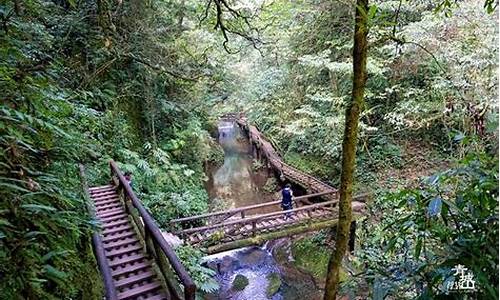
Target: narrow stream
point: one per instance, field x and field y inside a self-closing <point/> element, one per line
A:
<point x="233" y="181"/>
<point x="266" y="272"/>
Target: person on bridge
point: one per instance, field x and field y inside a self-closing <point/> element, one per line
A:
<point x="286" y="200"/>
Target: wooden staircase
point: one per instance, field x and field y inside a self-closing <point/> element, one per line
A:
<point x="133" y="275"/>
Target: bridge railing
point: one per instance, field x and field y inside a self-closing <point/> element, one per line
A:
<point x="240" y="212"/>
<point x="275" y="160"/>
<point x="265" y="222"/>
<point x="156" y="246"/>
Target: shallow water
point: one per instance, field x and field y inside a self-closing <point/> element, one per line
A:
<point x="235" y="183"/>
<point x="255" y="263"/>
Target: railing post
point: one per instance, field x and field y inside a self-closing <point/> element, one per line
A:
<point x="254" y="227"/>
<point x="352" y="236"/>
<point x="242" y="214"/>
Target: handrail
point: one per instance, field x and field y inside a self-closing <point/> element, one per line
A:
<point x="272" y="155"/>
<point x="151" y="227"/>
<point x="258" y="217"/>
<point x="102" y="262"/>
<point x="245" y="208"/>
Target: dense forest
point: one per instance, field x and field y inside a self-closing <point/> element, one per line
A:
<point x="145" y="82"/>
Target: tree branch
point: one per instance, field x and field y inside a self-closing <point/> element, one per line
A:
<point x="160" y="68"/>
<point x="222" y="7"/>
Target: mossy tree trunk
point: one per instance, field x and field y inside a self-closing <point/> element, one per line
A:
<point x="104" y="18"/>
<point x="349" y="148"/>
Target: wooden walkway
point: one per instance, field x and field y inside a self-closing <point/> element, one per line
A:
<point x="133" y="274"/>
<point x="237" y="227"/>
<point x="134" y="259"/>
<point x="266" y="150"/>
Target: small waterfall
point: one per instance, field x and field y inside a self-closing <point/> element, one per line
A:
<point x="256" y="264"/>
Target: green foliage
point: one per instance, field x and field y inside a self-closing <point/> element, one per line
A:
<point x="257" y="165"/>
<point x="451" y="219"/>
<point x="168" y="189"/>
<point x="82" y="84"/>
<point x="311" y="255"/>
<point x="271" y="185"/>
<point x="140" y="83"/>
<point x="310" y="164"/>
<point x="418" y="87"/>
<point x="192" y="259"/>
<point x="216" y="154"/>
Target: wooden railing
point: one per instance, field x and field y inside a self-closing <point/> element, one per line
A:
<point x="156" y="246"/>
<point x="266" y="222"/>
<point x="97" y="245"/>
<point x="267" y="150"/>
<point x="218" y="217"/>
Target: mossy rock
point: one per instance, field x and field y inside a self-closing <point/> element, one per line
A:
<point x="311" y="257"/>
<point x="274" y="284"/>
<point x="240" y="282"/>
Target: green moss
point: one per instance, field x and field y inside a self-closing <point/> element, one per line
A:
<point x="309" y="164"/>
<point x="240" y="282"/>
<point x="274" y="284"/>
<point x="313" y="258"/>
<point x="271" y="185"/>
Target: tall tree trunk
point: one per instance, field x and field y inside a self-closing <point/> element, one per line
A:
<point x="349" y="148"/>
<point x="104" y="18"/>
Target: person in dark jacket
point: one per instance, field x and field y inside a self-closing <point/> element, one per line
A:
<point x="128" y="178"/>
<point x="287" y="198"/>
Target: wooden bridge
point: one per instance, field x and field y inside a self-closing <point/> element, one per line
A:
<point x="263" y="149"/>
<point x="220" y="231"/>
<point x="236" y="228"/>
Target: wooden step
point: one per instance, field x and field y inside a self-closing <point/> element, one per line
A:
<point x="124" y="250"/>
<point x="121" y="243"/>
<point x="144" y="289"/>
<point x="113" y="218"/>
<point x="137" y="267"/>
<point x="100" y="199"/>
<point x="266" y="223"/>
<point x="117" y="229"/>
<point x="102" y="187"/>
<point x="115" y="223"/>
<point x="105" y="193"/>
<point x="99" y="204"/>
<point x="134" y="279"/>
<point x="109" y="209"/>
<point x="126" y="260"/>
<point x="111" y="213"/>
<point x="119" y="236"/>
<point x="109" y="206"/>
